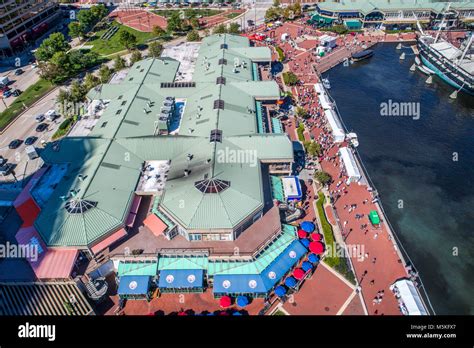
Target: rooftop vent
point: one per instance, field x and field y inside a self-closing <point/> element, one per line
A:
<point x="224" y="46"/>
<point x="220" y="80"/>
<point x="212" y="185"/>
<point x="222" y="61"/>
<point x="219" y="104"/>
<point x="216" y="136"/>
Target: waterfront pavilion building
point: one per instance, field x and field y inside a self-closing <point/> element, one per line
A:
<point x="392" y="14"/>
<point x="197" y="149"/>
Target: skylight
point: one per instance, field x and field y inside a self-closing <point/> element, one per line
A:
<point x="212" y="185"/>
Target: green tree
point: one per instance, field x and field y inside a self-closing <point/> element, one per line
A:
<point x="78" y="91"/>
<point x="127" y="39"/>
<point x="322" y="177"/>
<point x="56" y="42"/>
<point x="175" y="23"/>
<point x="104" y="73"/>
<point x="234" y="28"/>
<point x="99" y="11"/>
<point x="276" y="3"/>
<point x="290" y="78"/>
<point x="86" y="18"/>
<point x="273" y="13"/>
<point x="119" y="63"/>
<point x="195" y="23"/>
<point x="135" y="57"/>
<point x="155" y="49"/>
<point x="301" y="112"/>
<point x="193" y="35"/>
<point x="90" y="81"/>
<point x="158" y="31"/>
<point x="314" y="149"/>
<point x="296" y="8"/>
<point x="50" y="72"/>
<point x="76" y="29"/>
<point x="220" y="29"/>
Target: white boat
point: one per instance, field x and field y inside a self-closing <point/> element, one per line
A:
<point x="326" y="83"/>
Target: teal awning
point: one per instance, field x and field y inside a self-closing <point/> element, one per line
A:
<point x="137" y="269"/>
<point x="353" y="24"/>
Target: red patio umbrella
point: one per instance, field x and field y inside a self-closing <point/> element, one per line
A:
<point x="316" y="247"/>
<point x="316" y="237"/>
<point x="302" y="234"/>
<point x="182" y="314"/>
<point x="298" y="273"/>
<point x="225" y="301"/>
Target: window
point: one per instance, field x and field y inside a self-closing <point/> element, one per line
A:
<point x="219" y="104"/>
<point x="195" y="236"/>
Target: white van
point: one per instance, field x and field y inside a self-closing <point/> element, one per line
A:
<point x="51" y="115"/>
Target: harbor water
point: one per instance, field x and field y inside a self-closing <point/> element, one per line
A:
<point x="421" y="164"/>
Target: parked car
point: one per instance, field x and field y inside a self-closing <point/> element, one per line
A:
<point x="7" y="93"/>
<point x="30" y="140"/>
<point x="41" y="127"/>
<point x="39" y="118"/>
<point x="3" y="160"/>
<point x="6" y="169"/>
<point x="14" y="144"/>
<point x="18" y="71"/>
<point x="15" y="92"/>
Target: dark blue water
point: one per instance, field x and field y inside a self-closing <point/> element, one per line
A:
<point x="412" y="160"/>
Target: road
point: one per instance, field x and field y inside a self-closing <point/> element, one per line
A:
<point x="21" y="129"/>
<point x="256" y="12"/>
<point x="21" y="82"/>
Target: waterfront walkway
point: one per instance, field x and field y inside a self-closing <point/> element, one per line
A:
<point x="377" y="263"/>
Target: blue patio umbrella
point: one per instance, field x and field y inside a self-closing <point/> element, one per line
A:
<point x="306" y="266"/>
<point x="242" y="301"/>
<point x="210" y="314"/>
<point x="290" y="281"/>
<point x="236" y="313"/>
<point x="307" y="226"/>
<point x="305" y="242"/>
<point x="280" y="291"/>
<point x="313" y="258"/>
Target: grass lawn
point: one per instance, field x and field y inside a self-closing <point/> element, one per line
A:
<point x="106" y="47"/>
<point x="232" y="15"/>
<point x="27" y="98"/>
<point x="336" y="262"/>
<point x="203" y="12"/>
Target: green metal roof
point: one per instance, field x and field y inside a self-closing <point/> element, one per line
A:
<point x="111" y="158"/>
<point x="137" y="268"/>
<point x="367" y="6"/>
<point x="188" y="262"/>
